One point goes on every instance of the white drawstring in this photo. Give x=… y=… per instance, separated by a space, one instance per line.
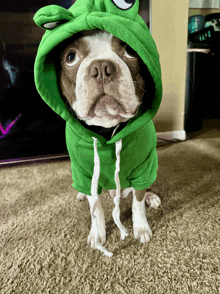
x=95 y=177
x=94 y=192
x=116 y=210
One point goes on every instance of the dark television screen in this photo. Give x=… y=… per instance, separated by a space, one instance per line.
x=31 y=5
x=28 y=127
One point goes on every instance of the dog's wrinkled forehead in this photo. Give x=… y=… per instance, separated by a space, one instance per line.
x=94 y=43
x=99 y=43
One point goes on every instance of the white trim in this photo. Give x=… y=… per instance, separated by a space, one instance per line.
x=180 y=135
x=201 y=50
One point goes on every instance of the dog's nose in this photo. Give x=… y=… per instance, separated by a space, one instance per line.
x=102 y=70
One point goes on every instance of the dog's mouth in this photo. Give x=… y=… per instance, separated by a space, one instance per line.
x=109 y=107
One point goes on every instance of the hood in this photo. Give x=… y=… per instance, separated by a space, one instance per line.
x=118 y=17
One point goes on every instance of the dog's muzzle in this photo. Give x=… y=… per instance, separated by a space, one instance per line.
x=108 y=106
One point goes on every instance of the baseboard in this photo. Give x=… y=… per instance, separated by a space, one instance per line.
x=180 y=135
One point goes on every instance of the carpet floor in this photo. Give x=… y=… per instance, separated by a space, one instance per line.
x=44 y=229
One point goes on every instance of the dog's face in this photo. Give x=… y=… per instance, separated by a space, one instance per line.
x=101 y=78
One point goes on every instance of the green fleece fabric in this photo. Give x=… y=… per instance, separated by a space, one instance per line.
x=138 y=167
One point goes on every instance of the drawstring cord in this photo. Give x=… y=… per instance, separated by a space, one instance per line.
x=94 y=192
x=116 y=210
x=95 y=177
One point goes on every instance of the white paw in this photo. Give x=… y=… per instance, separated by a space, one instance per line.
x=152 y=200
x=80 y=196
x=95 y=238
x=143 y=233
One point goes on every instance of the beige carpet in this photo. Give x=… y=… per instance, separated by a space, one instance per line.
x=43 y=229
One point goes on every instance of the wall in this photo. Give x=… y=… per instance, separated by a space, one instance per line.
x=169 y=30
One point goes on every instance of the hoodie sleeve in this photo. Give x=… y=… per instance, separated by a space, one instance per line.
x=145 y=174
x=145 y=160
x=81 y=174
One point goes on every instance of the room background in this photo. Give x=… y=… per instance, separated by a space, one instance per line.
x=168 y=21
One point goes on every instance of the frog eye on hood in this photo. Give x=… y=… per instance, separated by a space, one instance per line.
x=124 y=4
x=54 y=24
x=52 y=16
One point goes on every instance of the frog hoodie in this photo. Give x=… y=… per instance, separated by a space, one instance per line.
x=129 y=158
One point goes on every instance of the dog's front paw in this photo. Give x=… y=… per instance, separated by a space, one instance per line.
x=143 y=233
x=141 y=227
x=95 y=238
x=152 y=200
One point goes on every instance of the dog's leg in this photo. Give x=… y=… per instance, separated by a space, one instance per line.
x=141 y=227
x=97 y=232
x=80 y=196
x=97 y=235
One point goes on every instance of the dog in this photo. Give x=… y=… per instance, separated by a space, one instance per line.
x=104 y=82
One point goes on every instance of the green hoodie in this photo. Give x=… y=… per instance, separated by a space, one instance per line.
x=96 y=161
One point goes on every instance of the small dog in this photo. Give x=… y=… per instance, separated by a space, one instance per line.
x=105 y=82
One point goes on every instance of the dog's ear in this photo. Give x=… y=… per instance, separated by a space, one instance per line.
x=52 y=16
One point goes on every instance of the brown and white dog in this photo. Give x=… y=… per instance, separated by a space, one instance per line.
x=96 y=66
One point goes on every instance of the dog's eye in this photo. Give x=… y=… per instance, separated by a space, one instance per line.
x=71 y=59
x=130 y=53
